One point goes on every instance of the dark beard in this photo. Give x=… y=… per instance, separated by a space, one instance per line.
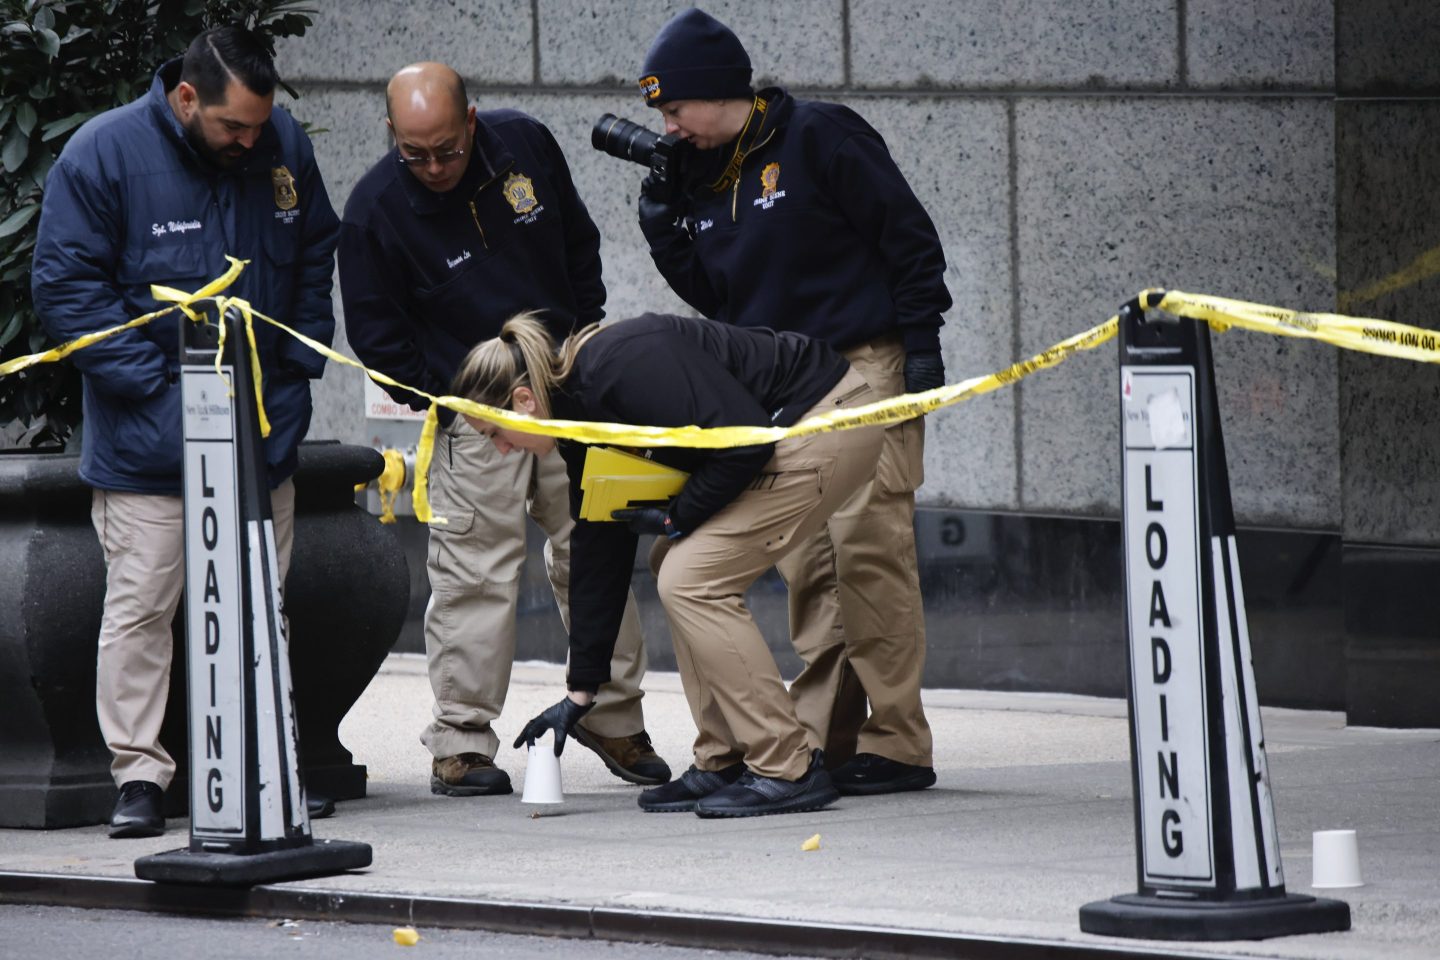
x=223 y=160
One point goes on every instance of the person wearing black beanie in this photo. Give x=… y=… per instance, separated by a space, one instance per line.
x=794 y=215
x=695 y=57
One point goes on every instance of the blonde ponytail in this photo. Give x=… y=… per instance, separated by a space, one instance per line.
x=523 y=355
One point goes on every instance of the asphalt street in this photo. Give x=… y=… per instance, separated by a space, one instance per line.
x=68 y=933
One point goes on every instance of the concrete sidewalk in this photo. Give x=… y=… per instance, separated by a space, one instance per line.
x=1030 y=820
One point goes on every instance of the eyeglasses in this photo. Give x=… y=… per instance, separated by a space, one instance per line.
x=424 y=160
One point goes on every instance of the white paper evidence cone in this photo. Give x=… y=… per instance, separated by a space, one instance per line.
x=542 y=776
x=1336 y=860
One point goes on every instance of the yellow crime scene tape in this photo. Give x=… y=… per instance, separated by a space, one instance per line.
x=1365 y=335
x=178 y=299
x=390 y=482
x=1362 y=334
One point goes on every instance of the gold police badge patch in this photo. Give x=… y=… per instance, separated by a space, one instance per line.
x=520 y=191
x=284 y=183
x=769 y=180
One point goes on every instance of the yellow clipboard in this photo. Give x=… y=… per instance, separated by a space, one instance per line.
x=613 y=480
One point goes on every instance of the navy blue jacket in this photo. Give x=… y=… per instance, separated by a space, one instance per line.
x=129 y=203
x=425 y=276
x=820 y=234
x=673 y=371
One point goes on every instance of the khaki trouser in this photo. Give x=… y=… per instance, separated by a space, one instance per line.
x=143 y=539
x=475 y=562
x=733 y=686
x=856 y=618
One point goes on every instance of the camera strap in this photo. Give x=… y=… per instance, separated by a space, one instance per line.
x=743 y=145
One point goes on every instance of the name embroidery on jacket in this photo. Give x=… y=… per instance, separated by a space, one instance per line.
x=174 y=226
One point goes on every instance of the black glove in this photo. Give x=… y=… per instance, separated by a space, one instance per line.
x=652 y=206
x=643 y=520
x=924 y=370
x=561 y=718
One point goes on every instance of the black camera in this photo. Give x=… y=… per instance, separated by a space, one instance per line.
x=665 y=156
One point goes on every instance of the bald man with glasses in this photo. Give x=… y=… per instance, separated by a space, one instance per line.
x=470 y=219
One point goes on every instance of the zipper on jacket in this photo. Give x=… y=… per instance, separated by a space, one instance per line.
x=474 y=212
x=475 y=215
x=735 y=188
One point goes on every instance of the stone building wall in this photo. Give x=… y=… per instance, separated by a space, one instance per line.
x=1070 y=154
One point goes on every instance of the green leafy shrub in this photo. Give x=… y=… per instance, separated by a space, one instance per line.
x=61 y=63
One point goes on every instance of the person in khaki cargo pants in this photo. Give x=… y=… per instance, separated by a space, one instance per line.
x=856 y=612
x=470 y=217
x=739 y=511
x=793 y=215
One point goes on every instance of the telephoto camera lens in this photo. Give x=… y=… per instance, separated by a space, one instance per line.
x=624 y=139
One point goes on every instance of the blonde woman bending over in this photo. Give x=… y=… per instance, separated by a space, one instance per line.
x=740 y=511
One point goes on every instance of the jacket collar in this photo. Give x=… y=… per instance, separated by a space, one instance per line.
x=712 y=164
x=782 y=105
x=165 y=79
x=489 y=160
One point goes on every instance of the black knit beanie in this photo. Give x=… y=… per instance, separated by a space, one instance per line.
x=695 y=57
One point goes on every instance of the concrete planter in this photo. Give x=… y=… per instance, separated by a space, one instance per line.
x=346 y=598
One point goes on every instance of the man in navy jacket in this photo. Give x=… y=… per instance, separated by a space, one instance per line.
x=470 y=219
x=158 y=192
x=795 y=216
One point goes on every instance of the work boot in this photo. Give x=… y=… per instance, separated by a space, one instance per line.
x=868 y=773
x=137 y=811
x=755 y=796
x=468 y=775
x=679 y=796
x=631 y=758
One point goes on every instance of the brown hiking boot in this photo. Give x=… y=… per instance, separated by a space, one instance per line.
x=631 y=758
x=468 y=775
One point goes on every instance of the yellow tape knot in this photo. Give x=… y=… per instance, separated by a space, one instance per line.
x=391 y=481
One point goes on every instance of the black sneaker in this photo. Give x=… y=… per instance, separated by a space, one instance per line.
x=319 y=807
x=137 y=812
x=755 y=796
x=868 y=773
x=680 y=795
